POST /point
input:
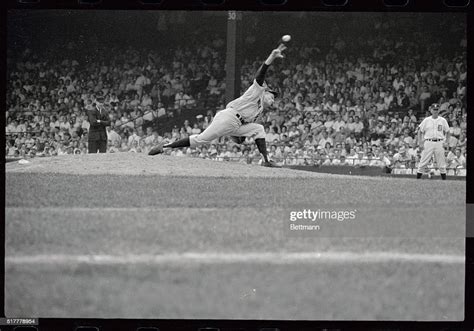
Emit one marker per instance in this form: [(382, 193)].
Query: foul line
[(230, 258), (112, 209)]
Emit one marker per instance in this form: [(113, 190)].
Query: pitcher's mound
[(142, 164)]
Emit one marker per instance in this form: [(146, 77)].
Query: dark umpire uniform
[(98, 119)]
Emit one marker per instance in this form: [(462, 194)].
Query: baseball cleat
[(158, 149), (270, 164)]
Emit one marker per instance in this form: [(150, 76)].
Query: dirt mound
[(140, 164)]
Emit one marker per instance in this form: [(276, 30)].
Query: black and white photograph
[(236, 165)]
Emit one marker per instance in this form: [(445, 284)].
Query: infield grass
[(88, 239)]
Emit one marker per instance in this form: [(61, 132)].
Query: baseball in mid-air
[(286, 38)]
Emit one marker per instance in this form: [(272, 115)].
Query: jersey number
[(440, 128)]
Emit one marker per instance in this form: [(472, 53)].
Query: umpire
[(98, 119)]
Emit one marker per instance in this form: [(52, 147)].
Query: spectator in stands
[(361, 160), (325, 140), (358, 127), (112, 135), (133, 147), (380, 129), (133, 138), (452, 142), (401, 159), (272, 134), (195, 129), (458, 160), (424, 98), (454, 129)]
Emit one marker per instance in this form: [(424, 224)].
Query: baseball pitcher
[(238, 118), (433, 133)]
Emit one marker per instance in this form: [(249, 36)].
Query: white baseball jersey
[(250, 104), (434, 128)]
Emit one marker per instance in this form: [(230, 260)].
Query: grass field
[(132, 236)]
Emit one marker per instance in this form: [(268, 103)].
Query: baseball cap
[(434, 106)]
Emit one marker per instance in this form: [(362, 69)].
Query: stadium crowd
[(357, 102)]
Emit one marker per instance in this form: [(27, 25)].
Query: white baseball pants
[(226, 123), (431, 148)]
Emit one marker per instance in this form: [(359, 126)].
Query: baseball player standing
[(433, 133), (238, 119)]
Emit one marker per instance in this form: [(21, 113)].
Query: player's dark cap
[(434, 106)]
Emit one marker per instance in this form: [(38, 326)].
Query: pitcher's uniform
[(237, 119), (434, 133)]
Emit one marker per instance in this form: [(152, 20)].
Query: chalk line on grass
[(230, 258)]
